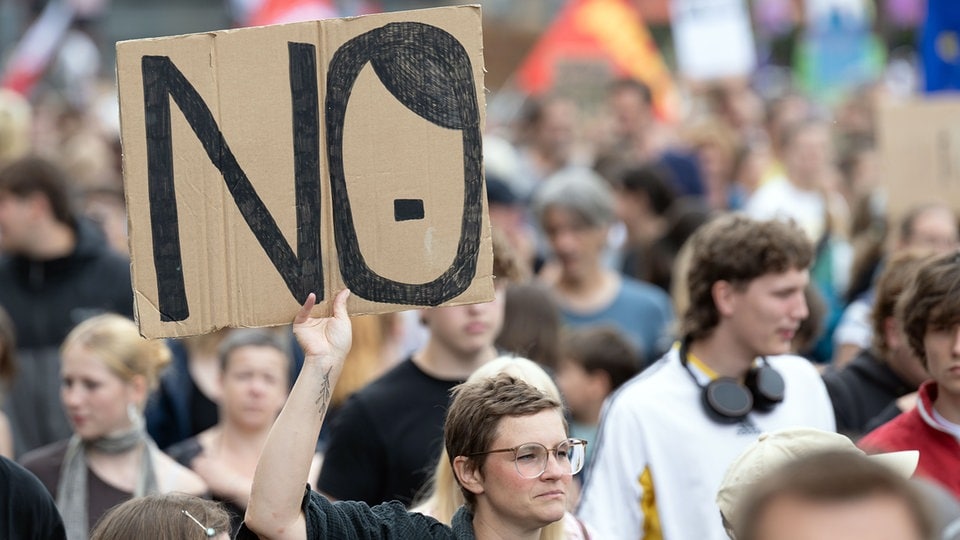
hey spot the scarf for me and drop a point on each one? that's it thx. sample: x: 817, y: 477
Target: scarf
x: 72, y: 488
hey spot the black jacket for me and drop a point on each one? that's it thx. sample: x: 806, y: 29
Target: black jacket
x: 27, y: 510
x: 864, y: 394
x: 46, y: 299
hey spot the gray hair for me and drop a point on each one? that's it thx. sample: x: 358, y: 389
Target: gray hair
x: 250, y: 337
x: 578, y: 190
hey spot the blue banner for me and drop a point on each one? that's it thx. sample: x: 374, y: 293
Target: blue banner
x: 940, y: 46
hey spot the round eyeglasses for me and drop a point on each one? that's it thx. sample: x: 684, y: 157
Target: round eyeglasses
x: 531, y: 458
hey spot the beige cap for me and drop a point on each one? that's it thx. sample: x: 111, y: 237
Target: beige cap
x: 774, y: 449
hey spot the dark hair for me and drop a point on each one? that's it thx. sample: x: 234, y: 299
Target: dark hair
x: 602, y: 348
x: 500, y: 192
x: 869, y: 230
x: 909, y: 220
x: 793, y: 130
x: 898, y: 273
x: 31, y: 175
x: 534, y: 110
x: 162, y: 517
x: 655, y: 182
x: 776, y: 106
x: 632, y: 85
x: 830, y: 477
x: 930, y: 302
x: 851, y: 155
x: 8, y: 347
x: 476, y: 410
x: 249, y: 337
x: 531, y: 324
x: 737, y: 249
x: 684, y: 217
x: 811, y: 328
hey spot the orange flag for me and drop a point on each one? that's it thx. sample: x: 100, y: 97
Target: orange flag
x: 610, y: 31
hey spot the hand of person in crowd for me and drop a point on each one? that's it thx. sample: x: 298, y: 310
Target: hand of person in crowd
x: 273, y: 510
x: 326, y: 337
x: 221, y: 479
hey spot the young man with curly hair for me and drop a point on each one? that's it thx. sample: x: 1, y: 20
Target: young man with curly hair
x: 668, y: 435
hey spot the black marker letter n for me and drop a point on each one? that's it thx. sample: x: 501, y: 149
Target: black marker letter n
x: 301, y: 271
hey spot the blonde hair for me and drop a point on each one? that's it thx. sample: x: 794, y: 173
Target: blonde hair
x: 442, y: 496
x: 713, y: 132
x: 521, y: 368
x: 16, y: 117
x: 117, y: 342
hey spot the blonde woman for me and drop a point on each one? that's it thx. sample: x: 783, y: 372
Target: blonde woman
x: 107, y: 372
x: 444, y: 496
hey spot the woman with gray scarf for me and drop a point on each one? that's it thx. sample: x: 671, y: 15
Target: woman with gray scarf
x: 108, y: 370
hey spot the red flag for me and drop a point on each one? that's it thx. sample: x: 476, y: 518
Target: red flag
x: 37, y: 48
x: 610, y: 31
x: 288, y: 11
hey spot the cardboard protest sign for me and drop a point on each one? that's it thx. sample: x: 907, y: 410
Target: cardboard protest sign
x: 919, y: 144
x: 262, y: 164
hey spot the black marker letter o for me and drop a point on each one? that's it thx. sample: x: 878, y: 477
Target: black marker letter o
x: 428, y: 71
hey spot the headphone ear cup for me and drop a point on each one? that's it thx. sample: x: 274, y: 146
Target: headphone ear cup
x: 766, y: 386
x: 726, y: 401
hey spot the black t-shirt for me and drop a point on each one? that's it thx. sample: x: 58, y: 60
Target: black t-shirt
x: 204, y: 412
x: 387, y: 438
x: 27, y: 510
x: 183, y: 453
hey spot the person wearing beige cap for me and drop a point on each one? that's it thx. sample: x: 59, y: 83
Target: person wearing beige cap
x: 834, y: 495
x: 772, y: 451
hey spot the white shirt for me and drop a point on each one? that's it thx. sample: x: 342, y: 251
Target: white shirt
x: 779, y: 198
x: 655, y: 432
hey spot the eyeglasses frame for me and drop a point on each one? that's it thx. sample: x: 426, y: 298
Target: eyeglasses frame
x: 553, y: 451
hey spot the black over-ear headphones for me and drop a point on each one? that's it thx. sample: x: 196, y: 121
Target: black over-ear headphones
x: 727, y: 401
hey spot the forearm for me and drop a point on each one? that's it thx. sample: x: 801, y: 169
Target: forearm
x: 274, y: 506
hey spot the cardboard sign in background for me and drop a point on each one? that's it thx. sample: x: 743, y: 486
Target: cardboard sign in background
x: 919, y: 143
x: 262, y: 164
x: 700, y: 25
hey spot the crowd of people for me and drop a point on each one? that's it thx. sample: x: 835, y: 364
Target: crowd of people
x: 695, y: 326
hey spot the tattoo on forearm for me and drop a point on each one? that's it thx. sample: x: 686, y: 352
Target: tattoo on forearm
x: 325, y: 392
